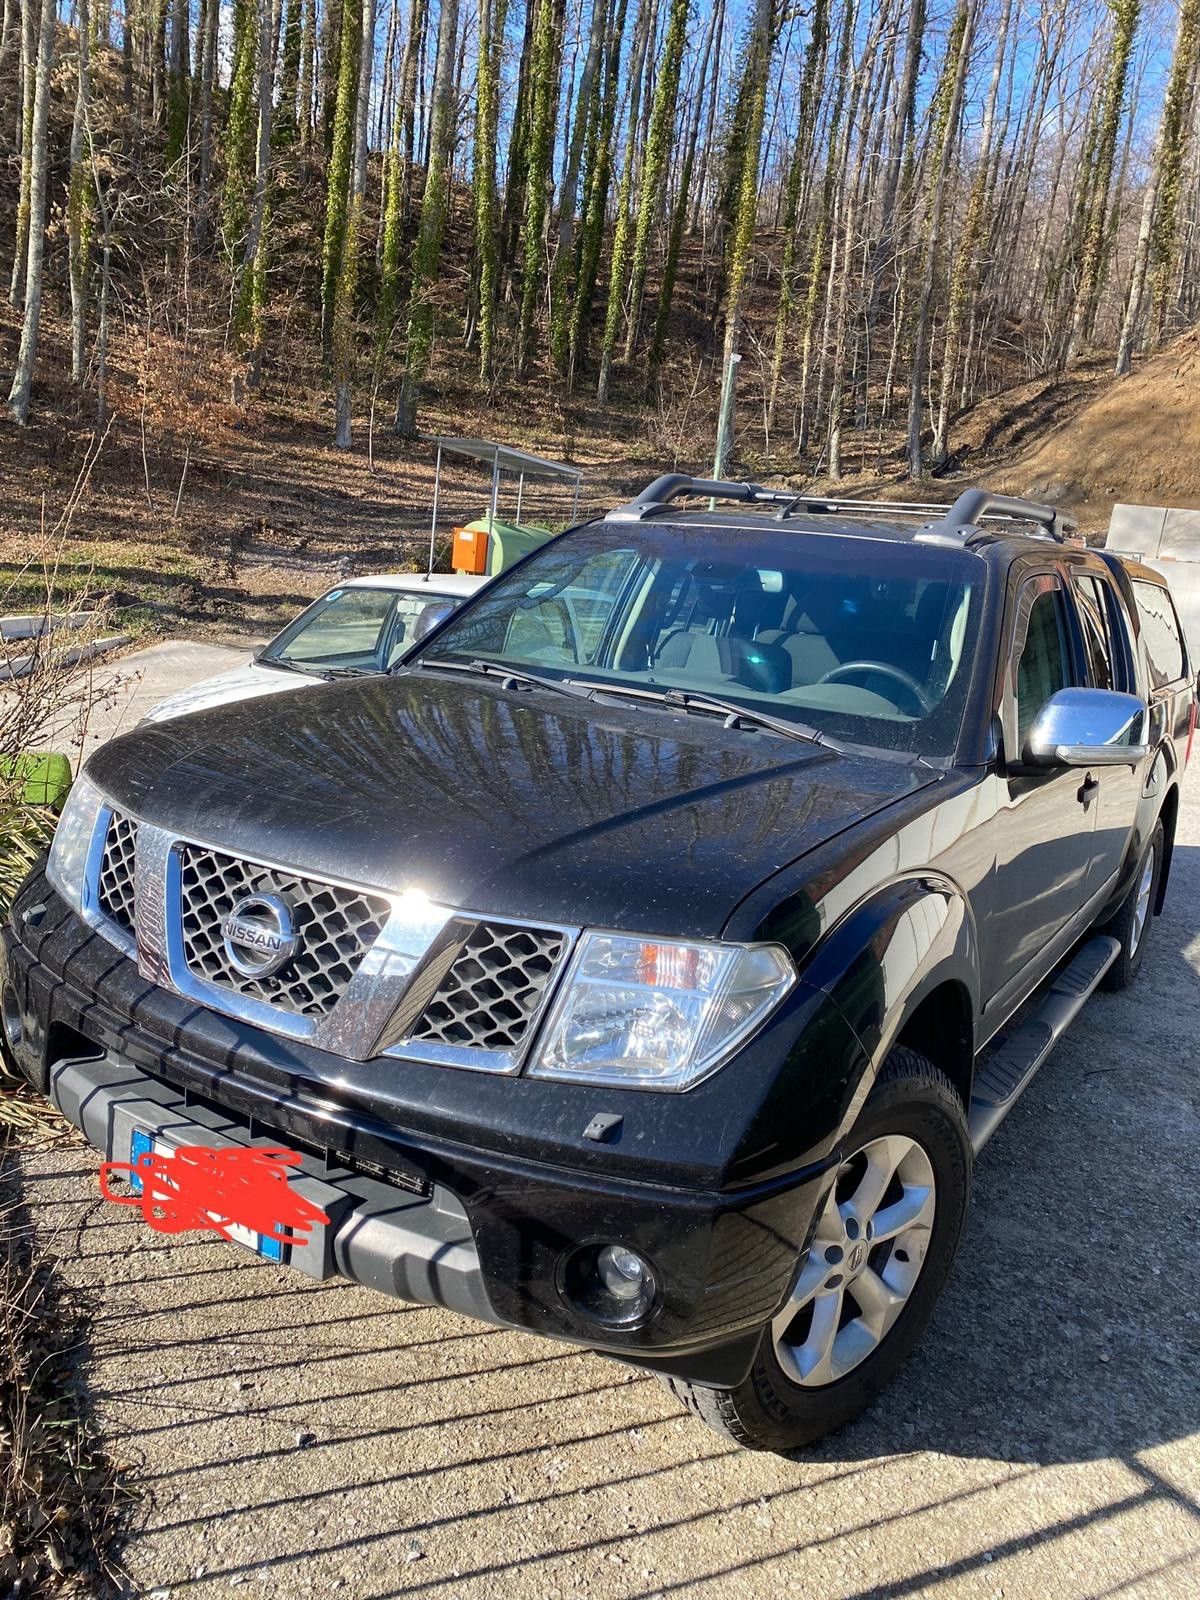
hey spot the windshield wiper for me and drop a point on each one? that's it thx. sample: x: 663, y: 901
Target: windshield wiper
x: 733, y: 713
x: 282, y: 666
x: 510, y: 675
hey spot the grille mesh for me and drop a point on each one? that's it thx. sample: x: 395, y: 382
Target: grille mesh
x: 494, y: 988
x: 116, y: 887
x: 336, y: 926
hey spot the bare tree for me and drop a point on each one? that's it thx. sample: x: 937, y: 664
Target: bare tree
x: 39, y: 175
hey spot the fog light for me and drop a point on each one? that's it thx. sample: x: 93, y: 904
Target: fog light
x: 610, y: 1283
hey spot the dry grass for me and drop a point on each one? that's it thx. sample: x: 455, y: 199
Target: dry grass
x: 62, y: 1502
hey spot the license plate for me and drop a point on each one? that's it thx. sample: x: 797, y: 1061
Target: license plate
x: 145, y: 1143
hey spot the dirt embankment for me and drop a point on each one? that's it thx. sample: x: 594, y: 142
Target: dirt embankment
x: 1137, y: 440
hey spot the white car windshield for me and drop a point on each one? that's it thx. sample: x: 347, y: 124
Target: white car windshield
x: 868, y: 640
x: 359, y: 629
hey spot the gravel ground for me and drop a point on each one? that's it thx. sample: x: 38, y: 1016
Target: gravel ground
x: 301, y: 1438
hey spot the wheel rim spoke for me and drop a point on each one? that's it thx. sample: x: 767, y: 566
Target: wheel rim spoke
x: 865, y: 1258
x: 1141, y: 910
x: 883, y: 1156
x: 814, y: 1358
x: 913, y: 1210
x: 878, y: 1305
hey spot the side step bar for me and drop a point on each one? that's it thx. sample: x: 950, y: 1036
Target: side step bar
x: 1006, y: 1074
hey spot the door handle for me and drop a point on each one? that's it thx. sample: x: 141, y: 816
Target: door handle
x: 1088, y: 791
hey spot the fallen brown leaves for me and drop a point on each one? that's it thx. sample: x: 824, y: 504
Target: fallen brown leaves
x: 61, y: 1497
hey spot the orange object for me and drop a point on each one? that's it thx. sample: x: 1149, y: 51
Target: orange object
x: 470, y: 550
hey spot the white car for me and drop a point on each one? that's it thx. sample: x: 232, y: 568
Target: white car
x: 365, y: 625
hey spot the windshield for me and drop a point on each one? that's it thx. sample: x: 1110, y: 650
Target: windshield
x: 359, y: 629
x: 866, y: 640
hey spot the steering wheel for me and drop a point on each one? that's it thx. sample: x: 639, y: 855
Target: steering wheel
x: 904, y: 679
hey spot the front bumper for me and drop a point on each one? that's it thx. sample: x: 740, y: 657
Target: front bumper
x: 491, y: 1235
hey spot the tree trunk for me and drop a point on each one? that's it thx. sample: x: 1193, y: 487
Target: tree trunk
x: 418, y: 14
x: 210, y: 19
x: 492, y: 17
x: 427, y: 252
x: 240, y: 128
x: 587, y: 111
x: 540, y: 177
x: 308, y: 45
x: 1094, y: 263
x: 948, y: 108
x: 25, y: 110
x: 595, y: 187
x: 762, y: 46
x: 79, y: 193
x: 1169, y: 162
x: 619, y: 261
x: 250, y: 284
x: 289, y: 73
x: 973, y: 240
x: 343, y: 312
x: 39, y: 173
x: 659, y: 142
x: 341, y: 161
x: 666, y: 293
x: 814, y: 65
x: 706, y: 145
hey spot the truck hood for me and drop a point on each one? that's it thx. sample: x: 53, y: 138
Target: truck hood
x: 524, y: 804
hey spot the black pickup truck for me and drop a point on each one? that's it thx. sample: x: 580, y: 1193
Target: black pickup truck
x: 640, y: 964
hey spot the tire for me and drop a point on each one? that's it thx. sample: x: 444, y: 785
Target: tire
x: 783, y: 1408
x: 1131, y: 923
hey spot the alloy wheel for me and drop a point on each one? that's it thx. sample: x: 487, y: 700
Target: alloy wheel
x: 864, y: 1261
x: 1141, y: 909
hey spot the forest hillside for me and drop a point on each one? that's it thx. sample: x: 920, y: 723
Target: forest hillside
x: 256, y: 253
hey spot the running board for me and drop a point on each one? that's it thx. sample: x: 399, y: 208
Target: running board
x: 1005, y: 1076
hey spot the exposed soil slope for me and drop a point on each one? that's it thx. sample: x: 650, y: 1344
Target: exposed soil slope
x: 1137, y: 440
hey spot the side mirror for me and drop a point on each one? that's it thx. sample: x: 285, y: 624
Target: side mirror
x: 1088, y: 728
x: 434, y: 614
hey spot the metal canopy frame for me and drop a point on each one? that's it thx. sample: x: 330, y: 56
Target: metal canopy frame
x: 503, y: 458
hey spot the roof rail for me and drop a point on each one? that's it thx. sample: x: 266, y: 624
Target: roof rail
x: 672, y: 485
x: 956, y: 524
x: 960, y: 524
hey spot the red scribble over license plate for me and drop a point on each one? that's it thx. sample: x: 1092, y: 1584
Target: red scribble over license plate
x: 231, y: 1190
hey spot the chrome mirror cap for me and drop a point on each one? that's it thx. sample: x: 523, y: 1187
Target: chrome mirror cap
x: 1088, y: 728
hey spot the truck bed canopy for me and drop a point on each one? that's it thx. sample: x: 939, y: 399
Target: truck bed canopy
x: 501, y: 458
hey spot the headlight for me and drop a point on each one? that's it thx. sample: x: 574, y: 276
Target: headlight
x: 67, y: 865
x: 657, y: 1014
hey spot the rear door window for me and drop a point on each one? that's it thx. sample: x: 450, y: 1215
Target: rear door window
x: 1161, y: 633
x: 1095, y: 621
x: 1044, y: 665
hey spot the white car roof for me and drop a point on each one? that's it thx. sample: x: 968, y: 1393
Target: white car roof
x: 462, y: 583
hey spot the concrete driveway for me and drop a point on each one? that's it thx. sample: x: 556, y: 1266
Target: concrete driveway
x: 301, y: 1438
x: 125, y: 689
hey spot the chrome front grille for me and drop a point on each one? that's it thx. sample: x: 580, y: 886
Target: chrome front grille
x: 355, y: 972
x: 336, y: 926
x: 493, y: 989
x: 115, y: 890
